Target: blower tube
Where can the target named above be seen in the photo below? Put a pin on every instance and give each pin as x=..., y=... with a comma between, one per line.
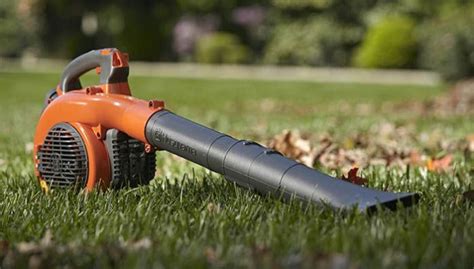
x=256, y=167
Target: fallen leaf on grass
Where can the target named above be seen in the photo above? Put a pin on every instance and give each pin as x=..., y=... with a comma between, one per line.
x=210, y=254
x=461, y=96
x=41, y=254
x=3, y=247
x=441, y=164
x=384, y=144
x=293, y=145
x=142, y=244
x=470, y=142
x=415, y=158
x=332, y=260
x=29, y=147
x=213, y=208
x=468, y=195
x=32, y=247
x=352, y=177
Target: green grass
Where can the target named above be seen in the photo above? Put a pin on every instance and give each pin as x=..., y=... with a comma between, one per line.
x=197, y=219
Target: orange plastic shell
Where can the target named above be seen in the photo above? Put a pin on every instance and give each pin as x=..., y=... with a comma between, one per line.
x=101, y=110
x=98, y=159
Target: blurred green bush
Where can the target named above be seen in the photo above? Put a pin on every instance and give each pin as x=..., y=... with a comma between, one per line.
x=391, y=43
x=448, y=43
x=219, y=48
x=318, y=41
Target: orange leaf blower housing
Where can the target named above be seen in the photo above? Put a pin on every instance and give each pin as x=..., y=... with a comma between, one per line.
x=102, y=136
x=93, y=136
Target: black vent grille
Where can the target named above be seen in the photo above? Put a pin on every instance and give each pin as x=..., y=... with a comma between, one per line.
x=131, y=165
x=62, y=158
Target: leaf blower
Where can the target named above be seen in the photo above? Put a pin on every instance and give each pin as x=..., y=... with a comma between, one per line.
x=101, y=136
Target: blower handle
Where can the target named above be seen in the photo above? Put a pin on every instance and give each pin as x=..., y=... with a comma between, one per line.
x=111, y=64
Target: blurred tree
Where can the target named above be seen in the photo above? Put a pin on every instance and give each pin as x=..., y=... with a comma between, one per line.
x=17, y=27
x=318, y=41
x=428, y=8
x=448, y=43
x=147, y=32
x=341, y=11
x=142, y=28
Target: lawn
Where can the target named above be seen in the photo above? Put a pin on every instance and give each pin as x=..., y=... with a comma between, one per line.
x=189, y=217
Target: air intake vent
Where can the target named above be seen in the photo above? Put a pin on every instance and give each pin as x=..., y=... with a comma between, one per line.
x=131, y=165
x=62, y=158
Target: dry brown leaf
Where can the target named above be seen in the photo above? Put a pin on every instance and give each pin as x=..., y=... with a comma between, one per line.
x=293, y=145
x=415, y=157
x=4, y=245
x=384, y=144
x=142, y=244
x=470, y=142
x=352, y=177
x=468, y=195
x=213, y=208
x=332, y=260
x=28, y=247
x=29, y=147
x=461, y=98
x=47, y=239
x=441, y=164
x=32, y=247
x=210, y=254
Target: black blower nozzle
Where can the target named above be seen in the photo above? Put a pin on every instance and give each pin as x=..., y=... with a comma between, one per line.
x=253, y=166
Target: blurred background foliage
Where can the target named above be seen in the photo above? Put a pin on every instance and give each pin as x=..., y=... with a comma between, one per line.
x=390, y=43
x=428, y=34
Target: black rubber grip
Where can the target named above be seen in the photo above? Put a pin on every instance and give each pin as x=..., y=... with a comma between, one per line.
x=254, y=166
x=88, y=61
